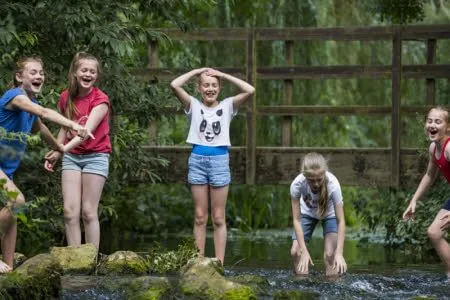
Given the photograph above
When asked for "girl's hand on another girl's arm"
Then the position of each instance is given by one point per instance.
(445, 221)
(339, 263)
(50, 160)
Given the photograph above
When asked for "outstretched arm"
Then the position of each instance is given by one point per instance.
(339, 262)
(177, 86)
(22, 102)
(424, 185)
(52, 156)
(246, 89)
(305, 258)
(45, 133)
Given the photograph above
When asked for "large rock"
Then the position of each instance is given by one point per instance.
(202, 278)
(36, 278)
(19, 258)
(80, 259)
(259, 284)
(140, 288)
(123, 262)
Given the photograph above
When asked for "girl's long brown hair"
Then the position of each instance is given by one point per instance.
(20, 67)
(72, 90)
(314, 163)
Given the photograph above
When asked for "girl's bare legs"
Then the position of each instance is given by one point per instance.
(436, 236)
(200, 195)
(329, 249)
(91, 195)
(8, 227)
(71, 191)
(218, 202)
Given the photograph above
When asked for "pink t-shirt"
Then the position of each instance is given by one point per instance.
(84, 105)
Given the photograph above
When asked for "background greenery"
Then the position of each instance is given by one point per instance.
(117, 34)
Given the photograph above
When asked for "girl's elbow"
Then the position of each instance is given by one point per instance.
(174, 85)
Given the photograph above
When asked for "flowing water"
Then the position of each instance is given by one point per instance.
(374, 272)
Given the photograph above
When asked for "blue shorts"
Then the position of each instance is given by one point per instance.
(93, 163)
(446, 205)
(213, 170)
(309, 223)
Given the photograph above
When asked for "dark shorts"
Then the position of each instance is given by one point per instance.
(446, 205)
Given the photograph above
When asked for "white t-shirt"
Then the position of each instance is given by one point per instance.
(210, 126)
(309, 202)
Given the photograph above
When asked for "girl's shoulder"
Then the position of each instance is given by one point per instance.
(299, 180)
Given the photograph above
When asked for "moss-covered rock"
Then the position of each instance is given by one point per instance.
(202, 278)
(37, 278)
(259, 284)
(80, 259)
(139, 288)
(123, 262)
(19, 258)
(295, 295)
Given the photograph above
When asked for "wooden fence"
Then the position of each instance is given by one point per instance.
(355, 166)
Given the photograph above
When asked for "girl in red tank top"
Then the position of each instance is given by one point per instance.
(436, 127)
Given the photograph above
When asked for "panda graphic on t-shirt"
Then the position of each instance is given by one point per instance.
(211, 127)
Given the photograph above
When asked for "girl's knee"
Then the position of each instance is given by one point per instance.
(19, 201)
(434, 232)
(201, 219)
(328, 256)
(89, 216)
(71, 214)
(218, 221)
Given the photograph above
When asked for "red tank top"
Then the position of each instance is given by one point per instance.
(442, 163)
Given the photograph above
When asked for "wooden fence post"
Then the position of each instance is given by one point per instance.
(286, 134)
(396, 102)
(251, 110)
(431, 82)
(152, 63)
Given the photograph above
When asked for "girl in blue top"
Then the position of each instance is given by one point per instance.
(21, 114)
(209, 170)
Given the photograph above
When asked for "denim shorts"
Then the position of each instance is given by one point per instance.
(213, 170)
(309, 223)
(446, 205)
(93, 163)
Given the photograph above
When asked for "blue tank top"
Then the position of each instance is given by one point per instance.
(209, 150)
(18, 122)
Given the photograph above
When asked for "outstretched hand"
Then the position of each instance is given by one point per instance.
(409, 212)
(339, 264)
(303, 264)
(83, 132)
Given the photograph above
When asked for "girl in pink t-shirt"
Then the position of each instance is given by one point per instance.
(85, 168)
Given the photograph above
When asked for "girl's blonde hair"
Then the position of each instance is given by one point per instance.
(20, 67)
(440, 108)
(202, 74)
(312, 164)
(72, 90)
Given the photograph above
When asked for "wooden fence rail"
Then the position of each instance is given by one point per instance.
(356, 166)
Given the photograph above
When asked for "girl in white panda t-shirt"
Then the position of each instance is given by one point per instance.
(209, 170)
(316, 196)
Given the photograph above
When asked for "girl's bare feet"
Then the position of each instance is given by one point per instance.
(4, 268)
